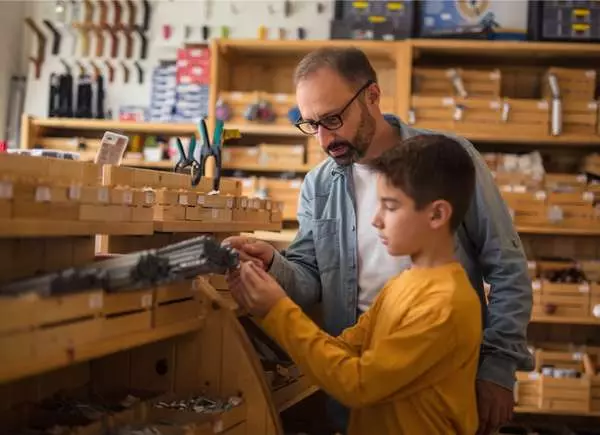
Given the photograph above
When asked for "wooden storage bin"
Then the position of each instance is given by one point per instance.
(575, 85)
(523, 115)
(281, 105)
(238, 102)
(559, 299)
(438, 82)
(432, 112)
(565, 182)
(241, 156)
(176, 303)
(281, 156)
(580, 117)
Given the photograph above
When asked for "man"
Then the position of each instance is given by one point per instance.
(337, 258)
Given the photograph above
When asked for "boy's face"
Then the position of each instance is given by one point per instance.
(402, 229)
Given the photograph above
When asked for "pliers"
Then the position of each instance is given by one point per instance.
(187, 160)
(208, 149)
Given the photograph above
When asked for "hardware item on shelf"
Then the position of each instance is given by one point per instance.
(472, 19)
(208, 149)
(180, 261)
(200, 404)
(461, 82)
(187, 160)
(222, 110)
(380, 20)
(574, 21)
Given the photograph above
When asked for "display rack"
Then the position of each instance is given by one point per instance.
(122, 353)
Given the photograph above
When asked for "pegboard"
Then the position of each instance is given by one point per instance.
(243, 17)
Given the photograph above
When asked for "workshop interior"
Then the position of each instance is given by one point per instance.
(137, 135)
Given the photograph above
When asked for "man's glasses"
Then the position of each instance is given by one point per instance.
(330, 122)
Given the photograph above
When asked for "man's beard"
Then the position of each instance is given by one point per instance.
(346, 152)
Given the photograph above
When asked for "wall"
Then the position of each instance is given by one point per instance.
(12, 58)
(179, 13)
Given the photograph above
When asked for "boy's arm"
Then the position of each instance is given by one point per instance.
(406, 361)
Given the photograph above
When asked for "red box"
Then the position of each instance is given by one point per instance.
(191, 54)
(197, 75)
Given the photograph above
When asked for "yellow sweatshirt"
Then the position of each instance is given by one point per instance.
(408, 366)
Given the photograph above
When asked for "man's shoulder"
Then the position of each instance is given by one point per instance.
(319, 178)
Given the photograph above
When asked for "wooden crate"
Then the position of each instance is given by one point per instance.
(568, 300)
(520, 115)
(438, 82)
(175, 303)
(574, 84)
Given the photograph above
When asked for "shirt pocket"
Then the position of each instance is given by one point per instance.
(327, 244)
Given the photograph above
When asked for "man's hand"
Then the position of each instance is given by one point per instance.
(255, 290)
(259, 252)
(495, 406)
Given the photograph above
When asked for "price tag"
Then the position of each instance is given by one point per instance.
(281, 98)
(183, 199)
(127, 197)
(540, 195)
(584, 287)
(43, 194)
(103, 195)
(149, 197)
(447, 101)
(588, 196)
(96, 302)
(581, 178)
(296, 184)
(215, 213)
(201, 200)
(236, 95)
(577, 356)
(244, 203)
(494, 105)
(74, 192)
(531, 265)
(146, 301)
(230, 203)
(536, 284)
(542, 105)
(519, 188)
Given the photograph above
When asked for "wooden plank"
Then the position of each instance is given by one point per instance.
(215, 227)
(30, 367)
(50, 228)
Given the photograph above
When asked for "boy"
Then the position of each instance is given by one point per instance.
(409, 365)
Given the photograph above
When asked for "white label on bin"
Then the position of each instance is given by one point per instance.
(146, 301)
(103, 194)
(6, 190)
(540, 195)
(183, 199)
(74, 192)
(536, 284)
(588, 196)
(584, 288)
(96, 302)
(230, 203)
(42, 194)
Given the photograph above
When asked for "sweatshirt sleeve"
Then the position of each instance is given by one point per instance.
(405, 361)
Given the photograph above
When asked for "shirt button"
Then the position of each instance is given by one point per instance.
(353, 228)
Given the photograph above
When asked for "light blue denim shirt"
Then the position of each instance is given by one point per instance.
(320, 265)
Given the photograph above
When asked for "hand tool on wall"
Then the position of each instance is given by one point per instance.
(224, 32)
(143, 42)
(128, 43)
(84, 94)
(114, 42)
(140, 72)
(320, 8)
(205, 32)
(84, 38)
(146, 15)
(88, 12)
(60, 12)
(75, 11)
(99, 31)
(118, 11)
(53, 97)
(40, 56)
(207, 9)
(132, 13)
(56, 37)
(125, 69)
(301, 33)
(287, 8)
(187, 32)
(262, 32)
(65, 92)
(556, 120)
(99, 95)
(282, 33)
(103, 7)
(111, 71)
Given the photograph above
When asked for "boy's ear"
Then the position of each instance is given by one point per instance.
(441, 211)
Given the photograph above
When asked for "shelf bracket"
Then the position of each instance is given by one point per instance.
(40, 56)
(56, 37)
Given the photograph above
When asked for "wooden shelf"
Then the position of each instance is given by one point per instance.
(265, 168)
(558, 231)
(212, 227)
(566, 320)
(9, 372)
(287, 396)
(117, 126)
(164, 164)
(50, 228)
(269, 236)
(267, 129)
(591, 140)
(279, 48)
(505, 48)
(541, 411)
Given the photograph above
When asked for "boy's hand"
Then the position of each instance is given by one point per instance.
(250, 249)
(255, 290)
(495, 406)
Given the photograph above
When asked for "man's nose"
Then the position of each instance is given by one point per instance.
(324, 136)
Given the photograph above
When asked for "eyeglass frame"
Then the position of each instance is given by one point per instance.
(337, 115)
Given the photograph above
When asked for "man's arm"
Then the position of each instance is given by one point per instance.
(414, 356)
(297, 272)
(504, 266)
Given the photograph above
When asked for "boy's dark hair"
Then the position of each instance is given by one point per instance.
(431, 167)
(349, 62)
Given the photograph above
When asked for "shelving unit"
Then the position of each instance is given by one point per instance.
(155, 343)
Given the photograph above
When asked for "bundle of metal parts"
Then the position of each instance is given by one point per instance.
(201, 404)
(177, 262)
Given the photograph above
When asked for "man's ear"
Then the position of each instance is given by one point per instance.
(374, 94)
(440, 213)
